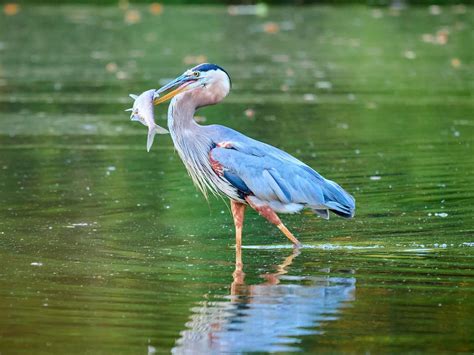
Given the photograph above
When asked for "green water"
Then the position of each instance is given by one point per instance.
(105, 248)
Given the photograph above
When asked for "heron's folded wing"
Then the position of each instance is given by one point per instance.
(268, 178)
(274, 175)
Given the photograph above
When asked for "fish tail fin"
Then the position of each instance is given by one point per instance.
(160, 130)
(151, 135)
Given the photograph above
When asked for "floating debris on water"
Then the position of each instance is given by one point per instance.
(110, 169)
(89, 127)
(409, 54)
(132, 17)
(156, 8)
(11, 9)
(260, 10)
(271, 27)
(435, 10)
(111, 67)
(284, 87)
(309, 97)
(427, 38)
(441, 214)
(151, 350)
(455, 63)
(83, 224)
(442, 37)
(324, 85)
(121, 75)
(249, 113)
(36, 263)
(377, 13)
(80, 224)
(375, 177)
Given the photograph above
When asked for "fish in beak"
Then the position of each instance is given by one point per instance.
(143, 112)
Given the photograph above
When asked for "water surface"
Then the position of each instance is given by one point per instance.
(106, 248)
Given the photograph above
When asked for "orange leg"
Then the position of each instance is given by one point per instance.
(238, 211)
(271, 216)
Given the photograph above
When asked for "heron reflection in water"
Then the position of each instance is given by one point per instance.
(230, 164)
(267, 317)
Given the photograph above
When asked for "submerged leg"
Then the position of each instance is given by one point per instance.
(271, 216)
(238, 211)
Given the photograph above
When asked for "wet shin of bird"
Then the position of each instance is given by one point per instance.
(143, 112)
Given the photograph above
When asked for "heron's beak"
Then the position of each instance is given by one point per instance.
(181, 82)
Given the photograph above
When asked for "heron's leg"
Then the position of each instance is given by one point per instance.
(238, 211)
(271, 216)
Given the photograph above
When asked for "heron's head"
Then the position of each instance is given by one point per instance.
(206, 84)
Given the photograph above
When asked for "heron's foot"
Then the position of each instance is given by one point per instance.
(297, 246)
(289, 235)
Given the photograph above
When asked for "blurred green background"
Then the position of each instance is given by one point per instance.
(105, 248)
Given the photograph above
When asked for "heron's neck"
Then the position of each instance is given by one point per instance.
(181, 115)
(188, 136)
(192, 142)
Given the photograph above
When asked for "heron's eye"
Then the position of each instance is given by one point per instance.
(196, 74)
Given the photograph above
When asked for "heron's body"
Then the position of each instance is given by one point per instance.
(227, 162)
(248, 172)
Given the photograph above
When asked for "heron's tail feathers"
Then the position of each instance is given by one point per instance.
(338, 200)
(340, 210)
(152, 130)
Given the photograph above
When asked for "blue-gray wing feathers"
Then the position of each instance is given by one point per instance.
(278, 178)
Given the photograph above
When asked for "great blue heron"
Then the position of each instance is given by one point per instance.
(248, 172)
